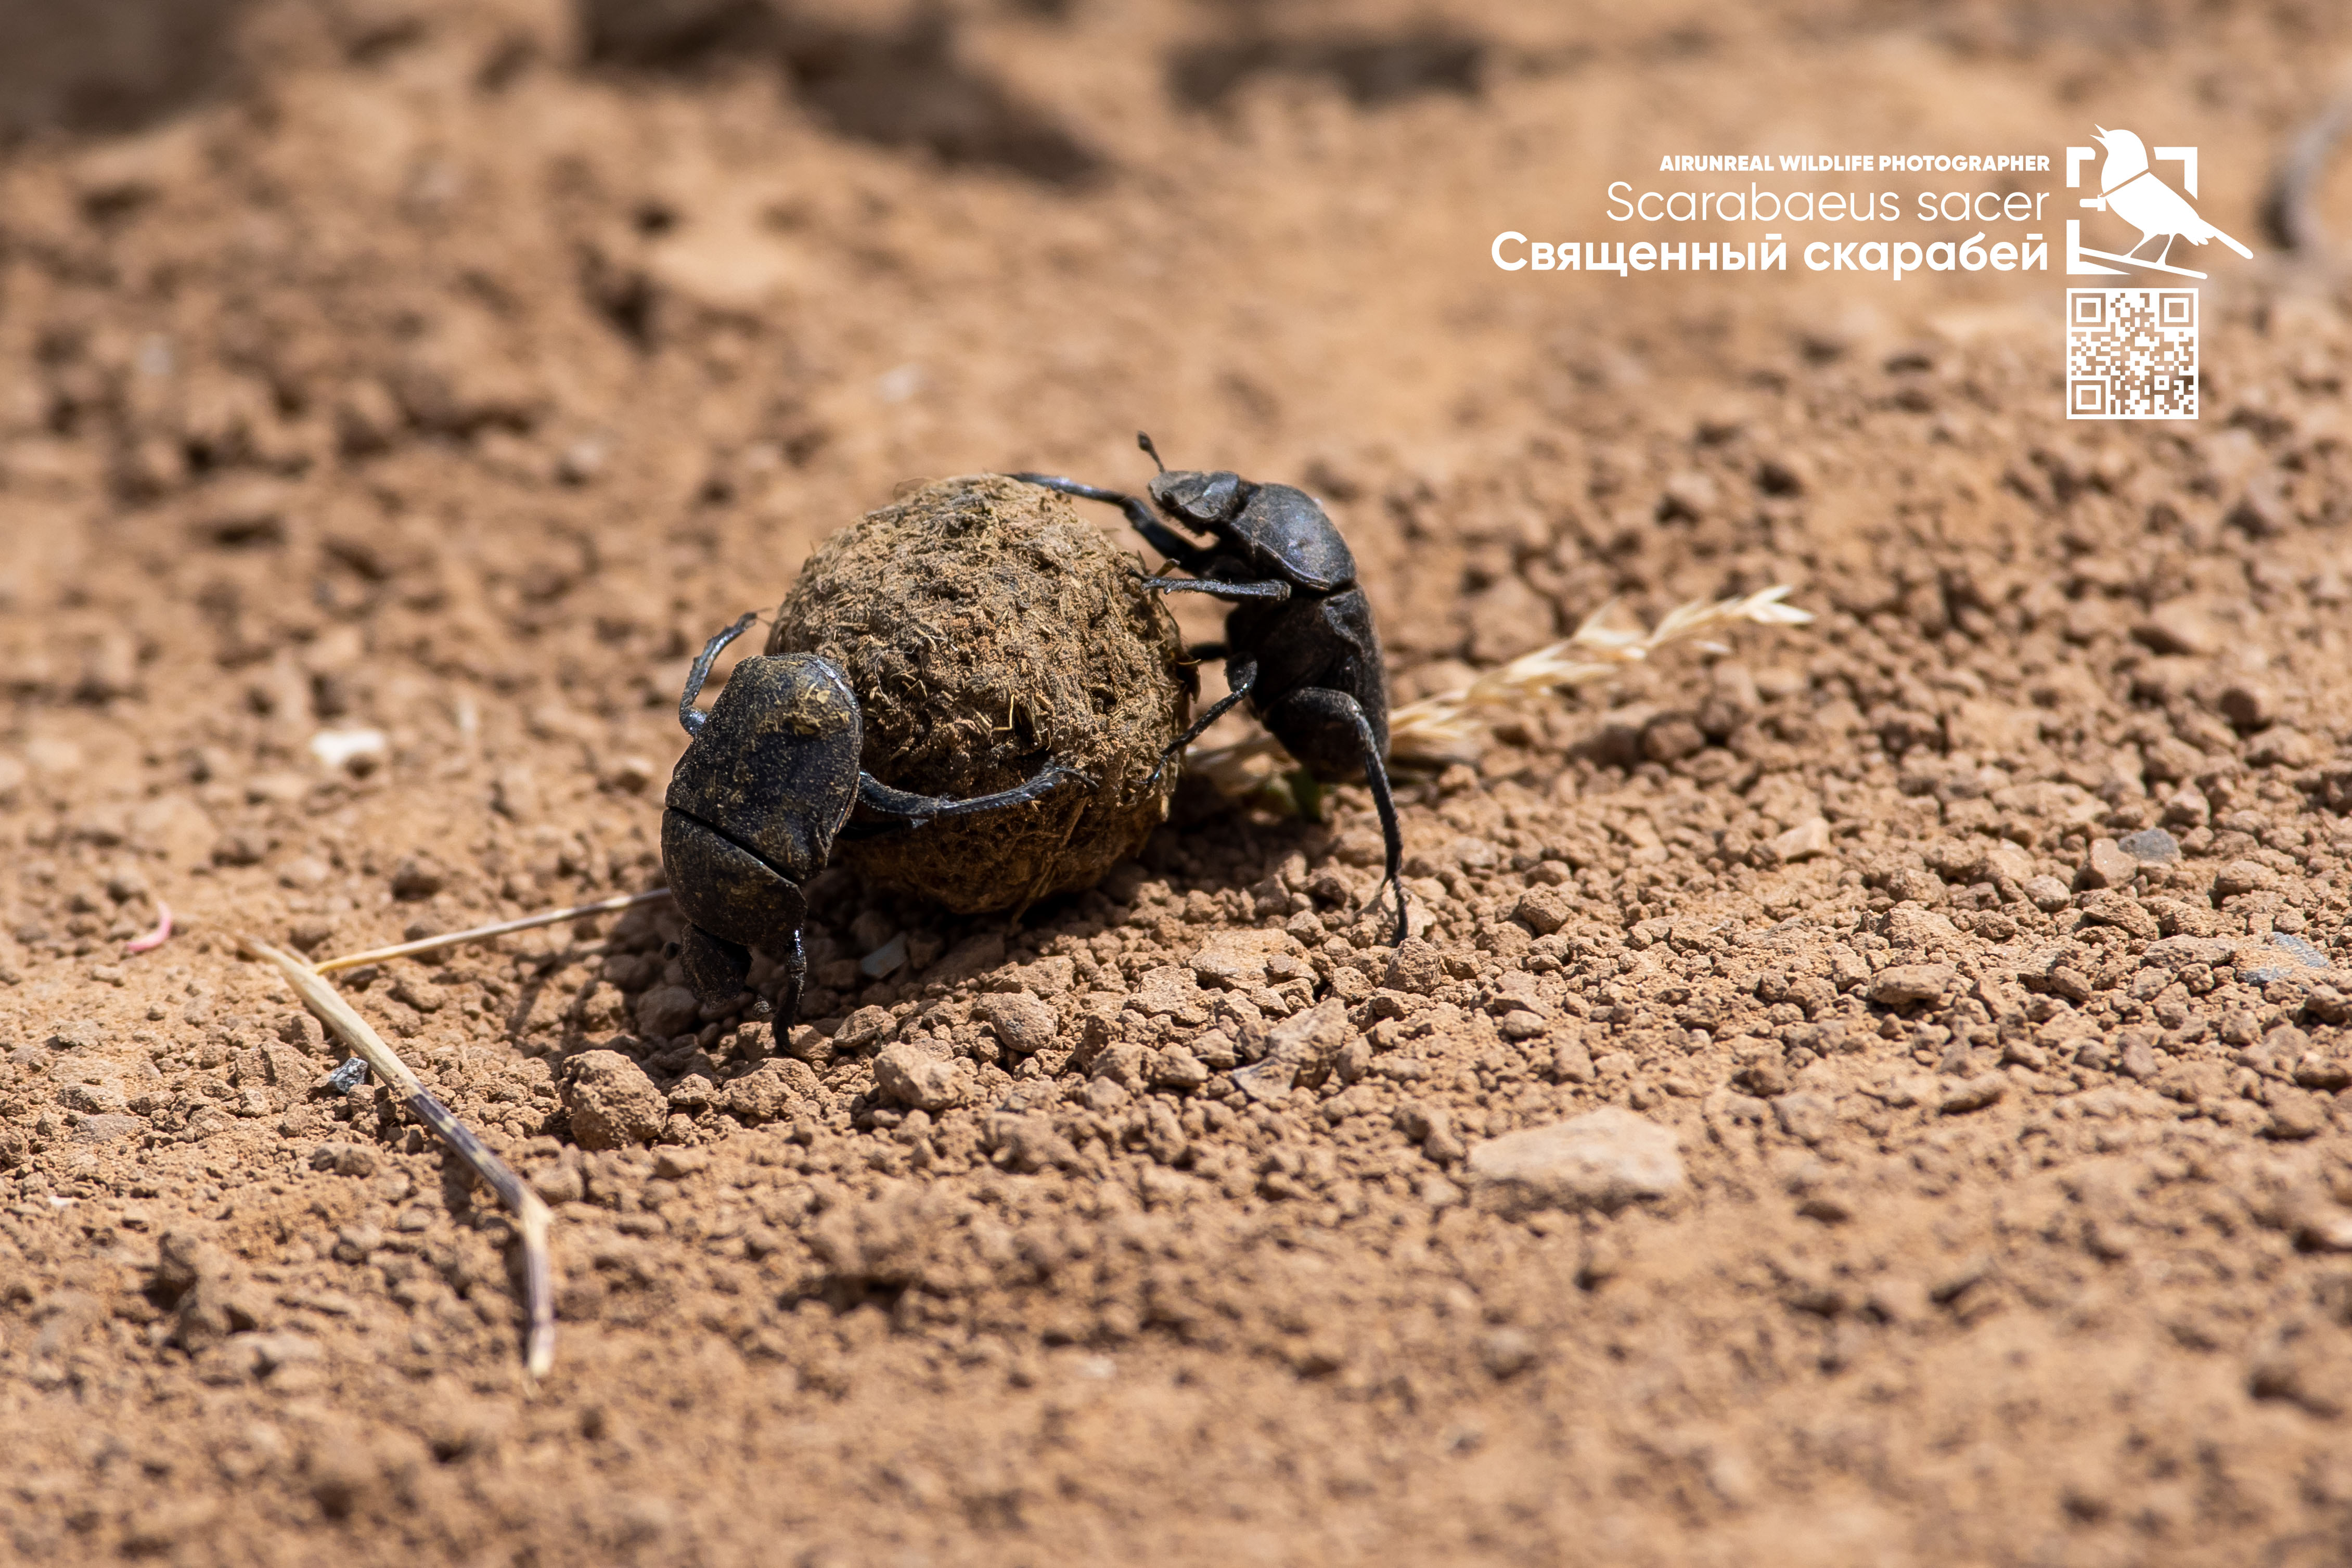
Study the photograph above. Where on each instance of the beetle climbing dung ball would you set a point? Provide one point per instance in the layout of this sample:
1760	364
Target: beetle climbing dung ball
770	776
987	628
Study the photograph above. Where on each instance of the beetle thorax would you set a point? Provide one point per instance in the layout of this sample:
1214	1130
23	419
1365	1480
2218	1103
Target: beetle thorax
1288	535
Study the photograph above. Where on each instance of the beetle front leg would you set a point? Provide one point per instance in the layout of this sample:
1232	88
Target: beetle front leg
795	977
1155	533
1269	592
718	969
715	967
731	899
873	793
688	714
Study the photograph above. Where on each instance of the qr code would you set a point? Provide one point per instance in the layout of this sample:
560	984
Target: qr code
2131	353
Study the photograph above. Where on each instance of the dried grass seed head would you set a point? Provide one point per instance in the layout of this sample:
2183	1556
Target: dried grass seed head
1454	726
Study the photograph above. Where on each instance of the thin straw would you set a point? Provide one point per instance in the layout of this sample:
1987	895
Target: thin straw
478	934
538	1273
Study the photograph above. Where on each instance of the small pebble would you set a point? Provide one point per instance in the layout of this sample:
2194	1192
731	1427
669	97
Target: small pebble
2107	866
1604	1160
1808	838
2250	705
2151	845
2302	950
1507	1353
581	461
1907	985
348	1076
344	1159
1973	1094
887	958
2047	894
611	1102
913	1078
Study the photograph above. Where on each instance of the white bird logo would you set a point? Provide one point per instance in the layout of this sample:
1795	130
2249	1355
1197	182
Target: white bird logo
2128	186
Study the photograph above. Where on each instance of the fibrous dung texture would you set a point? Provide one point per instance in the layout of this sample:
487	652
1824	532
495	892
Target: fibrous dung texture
988	630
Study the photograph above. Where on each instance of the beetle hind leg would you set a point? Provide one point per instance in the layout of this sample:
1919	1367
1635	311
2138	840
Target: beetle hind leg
1319	711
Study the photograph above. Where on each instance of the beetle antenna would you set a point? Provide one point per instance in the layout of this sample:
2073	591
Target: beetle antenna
1144	441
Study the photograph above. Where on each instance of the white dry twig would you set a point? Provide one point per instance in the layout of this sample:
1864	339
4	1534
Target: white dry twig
1454	726
531	1212
482	933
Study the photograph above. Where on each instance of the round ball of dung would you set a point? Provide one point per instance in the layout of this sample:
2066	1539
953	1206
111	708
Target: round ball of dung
987	629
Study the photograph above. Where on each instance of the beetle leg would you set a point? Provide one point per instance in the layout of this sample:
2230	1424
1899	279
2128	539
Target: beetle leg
1203	652
1155	533
859	832
795	974
717	968
1241	674
873	793
688	714
1321	704
1273	589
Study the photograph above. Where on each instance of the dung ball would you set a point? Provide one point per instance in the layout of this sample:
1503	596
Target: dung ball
987	629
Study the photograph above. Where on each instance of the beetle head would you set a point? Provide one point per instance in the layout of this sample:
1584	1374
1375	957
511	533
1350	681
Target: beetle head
1199	500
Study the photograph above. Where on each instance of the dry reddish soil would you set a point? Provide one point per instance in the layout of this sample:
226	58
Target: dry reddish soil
452	370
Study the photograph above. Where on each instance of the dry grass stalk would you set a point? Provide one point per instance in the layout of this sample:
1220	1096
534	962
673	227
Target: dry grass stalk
531	1214
481	933
1454	726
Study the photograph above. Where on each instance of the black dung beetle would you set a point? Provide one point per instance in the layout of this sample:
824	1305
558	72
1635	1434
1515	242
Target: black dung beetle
1299	643
757	799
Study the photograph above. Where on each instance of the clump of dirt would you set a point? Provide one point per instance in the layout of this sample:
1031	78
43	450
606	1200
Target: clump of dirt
989	631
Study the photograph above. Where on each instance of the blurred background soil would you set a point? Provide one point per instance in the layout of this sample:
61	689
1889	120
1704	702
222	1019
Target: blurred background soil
450	371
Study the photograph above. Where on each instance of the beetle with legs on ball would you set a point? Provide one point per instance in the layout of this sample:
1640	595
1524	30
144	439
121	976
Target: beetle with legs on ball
1299	643
754	805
